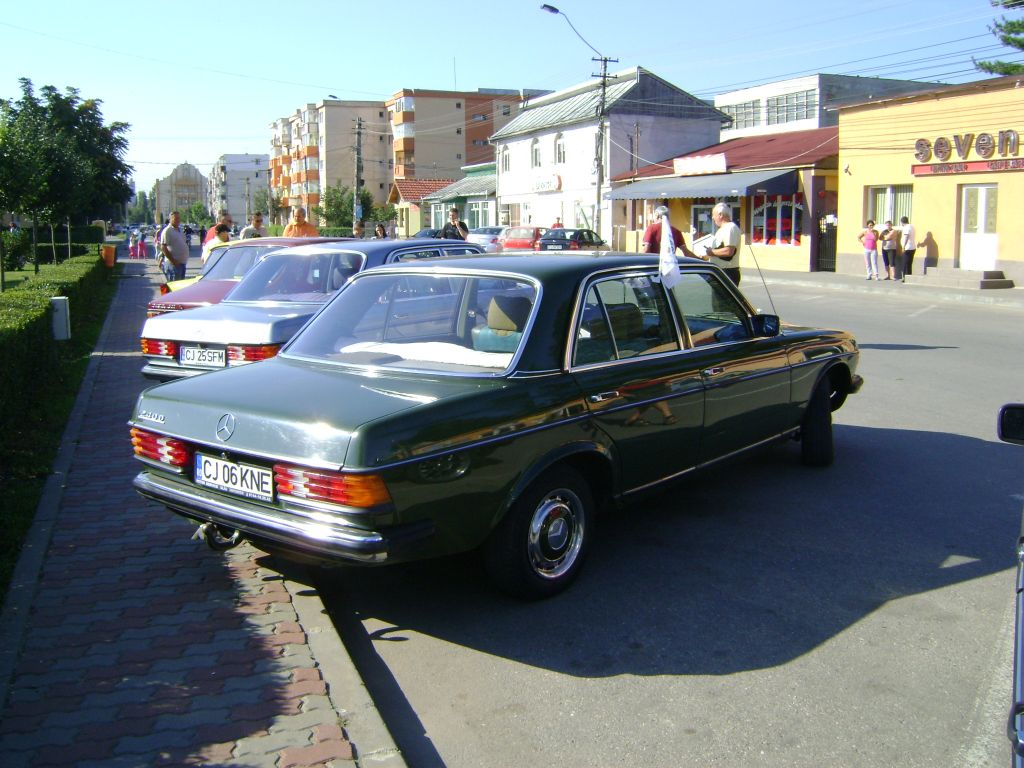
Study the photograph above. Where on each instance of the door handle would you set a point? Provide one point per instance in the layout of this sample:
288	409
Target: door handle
600	397
713	371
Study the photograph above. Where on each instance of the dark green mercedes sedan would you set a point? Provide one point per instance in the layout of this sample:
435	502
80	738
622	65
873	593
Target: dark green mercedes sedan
487	403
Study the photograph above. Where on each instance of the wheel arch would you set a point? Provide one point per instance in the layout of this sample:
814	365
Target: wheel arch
592	460
840	380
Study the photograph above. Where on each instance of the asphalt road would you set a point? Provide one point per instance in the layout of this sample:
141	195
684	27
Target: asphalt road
761	614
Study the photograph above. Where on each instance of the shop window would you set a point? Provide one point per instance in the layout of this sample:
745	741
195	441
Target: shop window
776	219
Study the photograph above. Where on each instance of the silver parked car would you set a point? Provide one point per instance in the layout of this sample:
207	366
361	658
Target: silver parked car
271	303
486	237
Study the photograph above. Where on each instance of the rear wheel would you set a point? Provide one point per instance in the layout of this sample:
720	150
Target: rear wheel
816	445
538	548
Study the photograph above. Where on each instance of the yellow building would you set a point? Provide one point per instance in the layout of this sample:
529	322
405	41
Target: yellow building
948	159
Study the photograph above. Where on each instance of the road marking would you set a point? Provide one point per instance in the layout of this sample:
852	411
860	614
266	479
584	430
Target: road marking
922	311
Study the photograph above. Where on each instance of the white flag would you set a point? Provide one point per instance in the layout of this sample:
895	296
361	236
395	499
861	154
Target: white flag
667	264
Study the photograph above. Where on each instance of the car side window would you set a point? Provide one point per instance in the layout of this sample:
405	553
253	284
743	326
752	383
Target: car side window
623	318
711	313
460	250
426	253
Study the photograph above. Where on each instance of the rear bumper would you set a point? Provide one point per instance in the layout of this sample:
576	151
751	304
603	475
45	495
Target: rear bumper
307	533
171	373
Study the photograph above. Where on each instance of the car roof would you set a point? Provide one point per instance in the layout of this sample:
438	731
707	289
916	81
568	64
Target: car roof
370	247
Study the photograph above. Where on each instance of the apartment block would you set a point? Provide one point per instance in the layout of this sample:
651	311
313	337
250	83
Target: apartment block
234	180
436	133
328	142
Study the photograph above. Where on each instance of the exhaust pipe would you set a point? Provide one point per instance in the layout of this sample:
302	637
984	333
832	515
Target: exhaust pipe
217	537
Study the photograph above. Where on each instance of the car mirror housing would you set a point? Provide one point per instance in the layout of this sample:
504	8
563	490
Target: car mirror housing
766	325
1011	423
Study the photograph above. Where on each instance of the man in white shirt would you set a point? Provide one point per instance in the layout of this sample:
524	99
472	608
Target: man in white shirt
173	246
255	228
909	242
724	251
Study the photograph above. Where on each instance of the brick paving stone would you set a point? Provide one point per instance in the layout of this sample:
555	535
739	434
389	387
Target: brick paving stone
317	754
142	647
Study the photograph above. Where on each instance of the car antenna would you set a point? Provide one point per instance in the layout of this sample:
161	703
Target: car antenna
758	265
761	275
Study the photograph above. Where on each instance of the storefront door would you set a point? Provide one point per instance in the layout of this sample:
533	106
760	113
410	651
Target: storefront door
979	243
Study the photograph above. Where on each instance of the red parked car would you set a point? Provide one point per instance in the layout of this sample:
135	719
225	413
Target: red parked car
520	238
222	271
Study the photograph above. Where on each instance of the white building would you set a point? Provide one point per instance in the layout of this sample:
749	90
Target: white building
546	156
234	180
803	103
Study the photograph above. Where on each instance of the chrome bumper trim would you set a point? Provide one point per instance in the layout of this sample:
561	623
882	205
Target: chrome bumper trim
326	538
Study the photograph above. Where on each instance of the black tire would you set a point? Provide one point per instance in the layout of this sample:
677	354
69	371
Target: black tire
539	546
816	445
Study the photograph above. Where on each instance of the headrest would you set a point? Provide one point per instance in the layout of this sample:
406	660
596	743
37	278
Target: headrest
508	313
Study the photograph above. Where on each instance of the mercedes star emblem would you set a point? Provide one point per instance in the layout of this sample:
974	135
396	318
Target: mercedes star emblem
225	427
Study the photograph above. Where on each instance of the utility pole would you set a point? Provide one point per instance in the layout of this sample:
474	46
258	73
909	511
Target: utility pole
357	208
599	149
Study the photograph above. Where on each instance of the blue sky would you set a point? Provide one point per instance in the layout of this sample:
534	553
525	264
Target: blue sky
198	80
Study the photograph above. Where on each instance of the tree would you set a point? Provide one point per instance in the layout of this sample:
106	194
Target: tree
58	158
335	207
1011	34
267	202
383	213
197	214
140	212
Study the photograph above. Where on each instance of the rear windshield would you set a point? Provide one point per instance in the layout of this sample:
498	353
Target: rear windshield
432	322
291	277
235	262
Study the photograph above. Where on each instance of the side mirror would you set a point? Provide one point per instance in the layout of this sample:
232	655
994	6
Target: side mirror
766	325
1011	423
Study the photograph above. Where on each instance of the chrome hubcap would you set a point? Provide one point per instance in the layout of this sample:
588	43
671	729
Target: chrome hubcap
556	533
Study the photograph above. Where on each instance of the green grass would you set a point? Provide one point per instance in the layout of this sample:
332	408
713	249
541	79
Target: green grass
29	445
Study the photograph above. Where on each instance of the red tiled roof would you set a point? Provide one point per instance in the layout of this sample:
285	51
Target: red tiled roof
414	190
774	150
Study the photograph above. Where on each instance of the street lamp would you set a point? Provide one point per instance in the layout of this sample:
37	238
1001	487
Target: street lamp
599	147
552	9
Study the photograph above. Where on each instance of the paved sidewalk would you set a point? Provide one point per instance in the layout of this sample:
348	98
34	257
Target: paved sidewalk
125	643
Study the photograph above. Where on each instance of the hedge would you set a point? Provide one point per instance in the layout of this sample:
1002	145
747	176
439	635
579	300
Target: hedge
28	351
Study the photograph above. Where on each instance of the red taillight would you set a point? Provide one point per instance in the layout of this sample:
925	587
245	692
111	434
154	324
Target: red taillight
251	353
573	245
166	450
164	289
331	487
159	347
